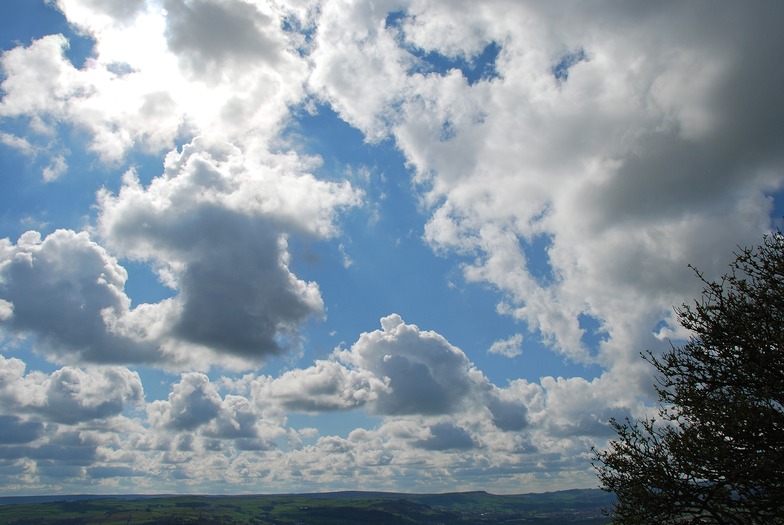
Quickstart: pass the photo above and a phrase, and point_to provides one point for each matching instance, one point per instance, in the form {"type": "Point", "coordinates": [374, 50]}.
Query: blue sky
{"type": "Point", "coordinates": [275, 246]}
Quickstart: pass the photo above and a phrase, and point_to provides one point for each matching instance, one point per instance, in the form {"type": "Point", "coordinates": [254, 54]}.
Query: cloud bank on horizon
{"type": "Point", "coordinates": [277, 172]}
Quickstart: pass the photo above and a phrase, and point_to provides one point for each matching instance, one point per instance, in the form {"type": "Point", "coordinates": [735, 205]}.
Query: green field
{"type": "Point", "coordinates": [576, 507]}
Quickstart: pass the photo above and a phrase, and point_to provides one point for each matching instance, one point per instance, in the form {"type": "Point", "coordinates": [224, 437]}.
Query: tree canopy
{"type": "Point", "coordinates": [715, 453]}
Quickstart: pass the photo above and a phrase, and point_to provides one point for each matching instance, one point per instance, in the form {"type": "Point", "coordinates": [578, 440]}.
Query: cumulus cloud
{"type": "Point", "coordinates": [42, 85]}
{"type": "Point", "coordinates": [462, 421]}
{"type": "Point", "coordinates": [446, 436]}
{"type": "Point", "coordinates": [425, 374]}
{"type": "Point", "coordinates": [196, 417]}
{"type": "Point", "coordinates": [197, 436]}
{"type": "Point", "coordinates": [60, 288]}
{"type": "Point", "coordinates": [606, 135]}
{"type": "Point", "coordinates": [215, 226]}
{"type": "Point", "coordinates": [15, 430]}
{"type": "Point", "coordinates": [28, 89]}
{"type": "Point", "coordinates": [507, 411]}
{"type": "Point", "coordinates": [399, 370]}
{"type": "Point", "coordinates": [325, 386]}
{"type": "Point", "coordinates": [94, 9]}
{"type": "Point", "coordinates": [238, 420]}
{"type": "Point", "coordinates": [577, 168]}
{"type": "Point", "coordinates": [193, 402]}
{"type": "Point", "coordinates": [577, 407]}
{"type": "Point", "coordinates": [351, 42]}
{"type": "Point", "coordinates": [219, 67]}
{"type": "Point", "coordinates": [68, 395]}
{"type": "Point", "coordinates": [560, 113]}
{"type": "Point", "coordinates": [75, 395]}
{"type": "Point", "coordinates": [211, 36]}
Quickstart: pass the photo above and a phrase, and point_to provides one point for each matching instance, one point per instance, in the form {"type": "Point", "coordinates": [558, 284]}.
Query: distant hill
{"type": "Point", "coordinates": [575, 507]}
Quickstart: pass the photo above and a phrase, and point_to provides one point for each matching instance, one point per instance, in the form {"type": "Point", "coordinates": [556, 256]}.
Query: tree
{"type": "Point", "coordinates": [715, 453]}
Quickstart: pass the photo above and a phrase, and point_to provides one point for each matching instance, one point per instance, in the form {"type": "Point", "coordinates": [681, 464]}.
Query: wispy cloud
{"type": "Point", "coordinates": [511, 347]}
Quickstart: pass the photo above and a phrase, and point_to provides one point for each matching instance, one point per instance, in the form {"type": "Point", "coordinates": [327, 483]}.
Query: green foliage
{"type": "Point", "coordinates": [715, 454]}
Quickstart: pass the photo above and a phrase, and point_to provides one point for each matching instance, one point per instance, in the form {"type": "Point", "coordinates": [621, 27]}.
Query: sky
{"type": "Point", "coordinates": [266, 246]}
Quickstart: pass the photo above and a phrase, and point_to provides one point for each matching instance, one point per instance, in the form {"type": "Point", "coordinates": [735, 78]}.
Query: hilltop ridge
{"type": "Point", "coordinates": [576, 507]}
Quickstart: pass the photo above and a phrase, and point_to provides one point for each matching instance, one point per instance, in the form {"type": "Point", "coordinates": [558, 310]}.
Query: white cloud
{"type": "Point", "coordinates": [196, 436]}
{"type": "Point", "coordinates": [6, 310]}
{"type": "Point", "coordinates": [57, 167]}
{"type": "Point", "coordinates": [68, 395]}
{"type": "Point", "coordinates": [622, 163]}
{"type": "Point", "coordinates": [213, 37]}
{"type": "Point", "coordinates": [192, 403]}
{"type": "Point", "coordinates": [399, 370]}
{"type": "Point", "coordinates": [215, 226]}
{"type": "Point", "coordinates": [424, 373]}
{"type": "Point", "coordinates": [220, 67]}
{"type": "Point", "coordinates": [118, 110]}
{"type": "Point", "coordinates": [196, 417]}
{"type": "Point", "coordinates": [91, 14]}
{"type": "Point", "coordinates": [75, 395]}
{"type": "Point", "coordinates": [60, 288]}
{"type": "Point", "coordinates": [511, 347]}
{"type": "Point", "coordinates": [347, 260]}
{"type": "Point", "coordinates": [37, 79]}
{"type": "Point", "coordinates": [357, 65]}
{"type": "Point", "coordinates": [325, 386]}
{"type": "Point", "coordinates": [20, 144]}
{"type": "Point", "coordinates": [577, 408]}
